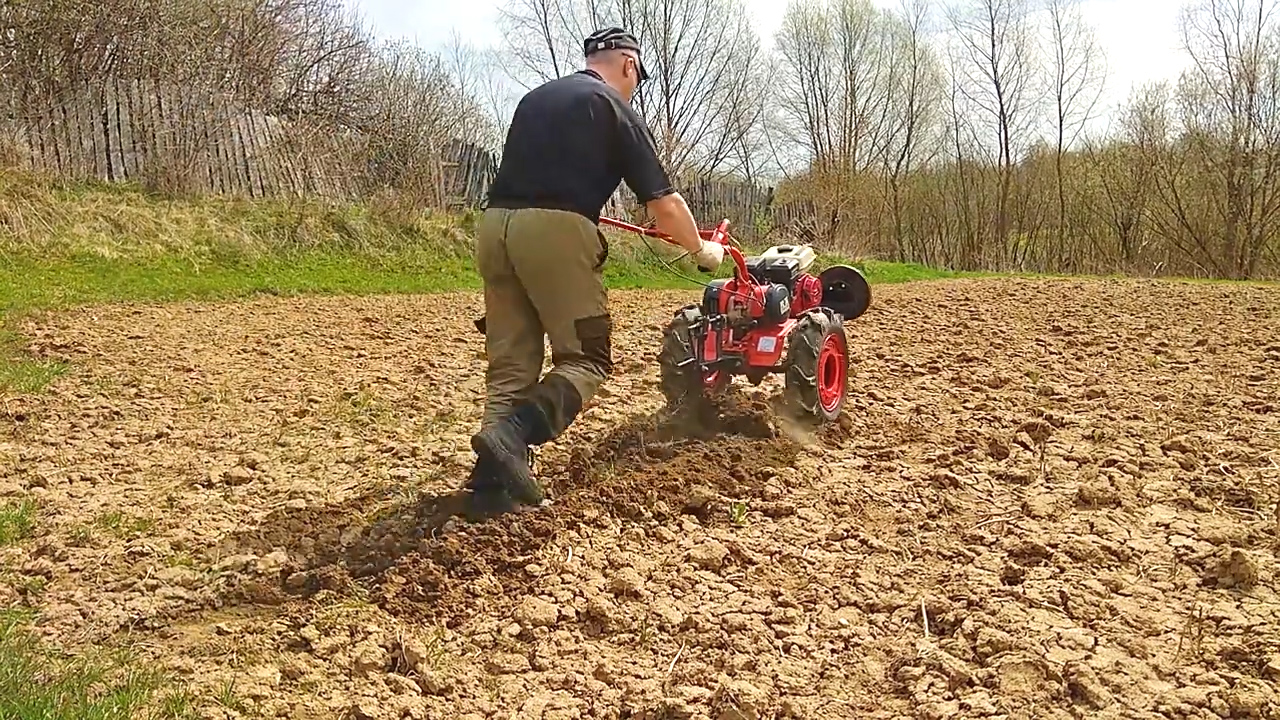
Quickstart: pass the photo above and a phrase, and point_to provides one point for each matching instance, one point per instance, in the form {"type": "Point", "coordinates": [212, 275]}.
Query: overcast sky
{"type": "Point", "coordinates": [1140, 37]}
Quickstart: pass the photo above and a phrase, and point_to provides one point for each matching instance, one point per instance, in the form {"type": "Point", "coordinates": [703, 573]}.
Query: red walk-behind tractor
{"type": "Point", "coordinates": [772, 316]}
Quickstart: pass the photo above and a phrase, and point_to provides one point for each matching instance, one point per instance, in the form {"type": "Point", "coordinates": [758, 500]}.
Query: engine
{"type": "Point", "coordinates": [784, 288]}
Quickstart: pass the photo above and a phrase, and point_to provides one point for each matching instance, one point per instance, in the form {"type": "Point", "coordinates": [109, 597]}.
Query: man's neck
{"type": "Point", "coordinates": [597, 75]}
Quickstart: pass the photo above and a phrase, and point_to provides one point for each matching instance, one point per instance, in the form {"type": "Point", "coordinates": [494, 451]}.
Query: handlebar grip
{"type": "Point", "coordinates": [720, 232]}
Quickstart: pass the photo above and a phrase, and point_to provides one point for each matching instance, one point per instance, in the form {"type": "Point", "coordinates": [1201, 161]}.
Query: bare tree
{"type": "Point", "coordinates": [805, 96]}
{"type": "Point", "coordinates": [996, 79]}
{"type": "Point", "coordinates": [839, 81]}
{"type": "Point", "coordinates": [537, 45]}
{"type": "Point", "coordinates": [961, 188]}
{"type": "Point", "coordinates": [1225, 200]}
{"type": "Point", "coordinates": [841, 64]}
{"type": "Point", "coordinates": [741, 149]}
{"type": "Point", "coordinates": [1077, 81]}
{"type": "Point", "coordinates": [915, 97]}
{"type": "Point", "coordinates": [783, 152]}
{"type": "Point", "coordinates": [546, 35]}
{"type": "Point", "coordinates": [1124, 166]}
{"type": "Point", "coordinates": [196, 78]}
{"type": "Point", "coordinates": [475, 73]}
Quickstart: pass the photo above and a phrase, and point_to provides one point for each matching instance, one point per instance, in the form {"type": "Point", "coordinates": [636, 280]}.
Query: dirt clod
{"type": "Point", "coordinates": [238, 475]}
{"type": "Point", "coordinates": [1085, 688]}
{"type": "Point", "coordinates": [709, 555]}
{"type": "Point", "coordinates": [626, 581]}
{"type": "Point", "coordinates": [507, 664]}
{"type": "Point", "coordinates": [1233, 568]}
{"type": "Point", "coordinates": [536, 612]}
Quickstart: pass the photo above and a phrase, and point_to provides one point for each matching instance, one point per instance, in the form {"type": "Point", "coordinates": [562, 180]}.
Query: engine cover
{"type": "Point", "coordinates": [780, 270]}
{"type": "Point", "coordinates": [806, 295]}
{"type": "Point", "coordinates": [802, 254]}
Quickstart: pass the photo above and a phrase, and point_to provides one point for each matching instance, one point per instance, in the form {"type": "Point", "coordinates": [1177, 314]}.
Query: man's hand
{"type": "Point", "coordinates": [674, 219]}
{"type": "Point", "coordinates": [709, 256]}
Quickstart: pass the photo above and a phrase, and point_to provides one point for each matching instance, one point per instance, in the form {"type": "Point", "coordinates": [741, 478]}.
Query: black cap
{"type": "Point", "coordinates": [613, 38]}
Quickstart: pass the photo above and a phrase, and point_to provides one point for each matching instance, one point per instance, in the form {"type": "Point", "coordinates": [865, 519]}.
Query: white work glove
{"type": "Point", "coordinates": [709, 256]}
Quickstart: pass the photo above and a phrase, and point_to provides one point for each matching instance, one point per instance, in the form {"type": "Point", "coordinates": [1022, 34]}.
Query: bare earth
{"type": "Point", "coordinates": [1048, 499]}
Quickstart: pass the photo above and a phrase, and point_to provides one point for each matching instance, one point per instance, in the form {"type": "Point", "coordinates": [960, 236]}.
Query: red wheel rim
{"type": "Point", "coordinates": [831, 374]}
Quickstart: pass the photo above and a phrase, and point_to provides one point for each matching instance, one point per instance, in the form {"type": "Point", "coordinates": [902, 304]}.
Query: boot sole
{"type": "Point", "coordinates": [482, 506]}
{"type": "Point", "coordinates": [522, 485]}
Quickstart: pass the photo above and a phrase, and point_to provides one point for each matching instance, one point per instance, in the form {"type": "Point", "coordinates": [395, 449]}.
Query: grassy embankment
{"type": "Point", "coordinates": [66, 245]}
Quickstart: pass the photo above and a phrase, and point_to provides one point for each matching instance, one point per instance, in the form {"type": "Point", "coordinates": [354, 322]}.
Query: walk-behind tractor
{"type": "Point", "coordinates": [772, 316]}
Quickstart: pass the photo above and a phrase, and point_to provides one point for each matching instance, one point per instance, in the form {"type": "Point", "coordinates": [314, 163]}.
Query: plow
{"type": "Point", "coordinates": [773, 316]}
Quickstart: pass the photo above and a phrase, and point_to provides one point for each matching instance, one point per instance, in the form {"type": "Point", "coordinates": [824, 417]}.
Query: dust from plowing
{"type": "Point", "coordinates": [1047, 499]}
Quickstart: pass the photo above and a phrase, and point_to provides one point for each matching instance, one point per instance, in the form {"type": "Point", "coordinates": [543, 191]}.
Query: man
{"type": "Point", "coordinates": [541, 253]}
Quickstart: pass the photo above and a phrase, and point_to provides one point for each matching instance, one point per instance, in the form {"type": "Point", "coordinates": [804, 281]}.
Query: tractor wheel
{"type": "Point", "coordinates": [817, 367]}
{"type": "Point", "coordinates": [684, 386]}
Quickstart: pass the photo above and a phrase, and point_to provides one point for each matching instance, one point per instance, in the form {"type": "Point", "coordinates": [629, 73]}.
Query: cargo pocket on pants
{"type": "Point", "coordinates": [595, 335]}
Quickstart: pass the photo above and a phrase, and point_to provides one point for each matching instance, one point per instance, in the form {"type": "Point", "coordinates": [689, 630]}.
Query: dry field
{"type": "Point", "coordinates": [1049, 499]}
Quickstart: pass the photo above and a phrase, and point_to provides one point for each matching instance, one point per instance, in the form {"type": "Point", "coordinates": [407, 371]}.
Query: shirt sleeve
{"type": "Point", "coordinates": [641, 168]}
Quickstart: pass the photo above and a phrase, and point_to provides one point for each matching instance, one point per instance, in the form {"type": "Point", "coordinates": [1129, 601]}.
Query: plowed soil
{"type": "Point", "coordinates": [1048, 499]}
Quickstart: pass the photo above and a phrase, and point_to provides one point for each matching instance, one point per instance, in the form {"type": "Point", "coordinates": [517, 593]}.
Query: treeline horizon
{"type": "Point", "coordinates": [947, 132]}
{"type": "Point", "coordinates": [953, 132]}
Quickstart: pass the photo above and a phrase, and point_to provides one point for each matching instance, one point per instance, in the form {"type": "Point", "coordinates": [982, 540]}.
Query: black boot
{"type": "Point", "coordinates": [506, 447]}
{"type": "Point", "coordinates": [484, 477]}
{"type": "Point", "coordinates": [488, 495]}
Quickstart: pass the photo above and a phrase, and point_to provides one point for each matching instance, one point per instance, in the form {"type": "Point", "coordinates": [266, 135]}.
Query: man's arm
{"type": "Point", "coordinates": [675, 219]}
{"type": "Point", "coordinates": [648, 179]}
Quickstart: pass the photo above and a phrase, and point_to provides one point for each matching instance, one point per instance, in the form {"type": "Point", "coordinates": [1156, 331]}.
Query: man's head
{"type": "Point", "coordinates": [615, 54]}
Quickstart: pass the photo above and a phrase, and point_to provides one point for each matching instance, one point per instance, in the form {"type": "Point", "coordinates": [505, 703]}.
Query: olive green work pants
{"type": "Point", "coordinates": [542, 277]}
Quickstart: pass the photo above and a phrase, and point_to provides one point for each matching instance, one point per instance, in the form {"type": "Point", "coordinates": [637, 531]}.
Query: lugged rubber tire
{"type": "Point", "coordinates": [678, 382]}
{"type": "Point", "coordinates": [681, 386]}
{"type": "Point", "coordinates": [817, 367]}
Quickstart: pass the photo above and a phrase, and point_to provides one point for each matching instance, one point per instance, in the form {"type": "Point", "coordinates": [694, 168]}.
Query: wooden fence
{"type": "Point", "coordinates": [138, 130]}
{"type": "Point", "coordinates": [200, 142]}
{"type": "Point", "coordinates": [467, 174]}
{"type": "Point", "coordinates": [179, 139]}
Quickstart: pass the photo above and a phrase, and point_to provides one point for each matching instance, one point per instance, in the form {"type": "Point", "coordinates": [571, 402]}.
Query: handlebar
{"type": "Point", "coordinates": [719, 234]}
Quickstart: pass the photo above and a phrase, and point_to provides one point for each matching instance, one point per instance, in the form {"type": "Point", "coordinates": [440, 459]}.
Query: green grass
{"type": "Point", "coordinates": [879, 272]}
{"type": "Point", "coordinates": [24, 375]}
{"type": "Point", "coordinates": [19, 373]}
{"type": "Point", "coordinates": [124, 526]}
{"type": "Point", "coordinates": [37, 683]}
{"type": "Point", "coordinates": [28, 284]}
{"type": "Point", "coordinates": [17, 522]}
